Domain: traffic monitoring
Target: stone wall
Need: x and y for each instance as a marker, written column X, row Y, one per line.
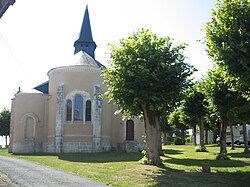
column 74, row 147
column 27, row 147
column 59, row 118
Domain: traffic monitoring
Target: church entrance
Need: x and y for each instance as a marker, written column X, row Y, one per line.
column 130, row 130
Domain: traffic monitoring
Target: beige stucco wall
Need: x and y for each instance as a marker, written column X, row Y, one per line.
column 78, row 78
column 83, row 78
column 30, row 105
column 28, row 122
column 140, row 132
column 77, row 133
column 43, row 109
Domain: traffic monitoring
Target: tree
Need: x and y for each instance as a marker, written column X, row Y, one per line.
column 241, row 115
column 228, row 36
column 223, row 98
column 166, row 128
column 212, row 118
column 177, row 120
column 195, row 105
column 232, row 120
column 191, row 121
column 5, row 124
column 146, row 75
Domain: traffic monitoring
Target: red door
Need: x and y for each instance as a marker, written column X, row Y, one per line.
column 130, row 130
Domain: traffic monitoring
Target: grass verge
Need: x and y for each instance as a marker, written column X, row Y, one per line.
column 182, row 167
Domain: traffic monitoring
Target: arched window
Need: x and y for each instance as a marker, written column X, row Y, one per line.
column 88, row 111
column 78, row 109
column 69, row 110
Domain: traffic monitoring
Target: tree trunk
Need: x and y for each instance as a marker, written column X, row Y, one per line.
column 246, row 147
column 6, row 141
column 201, row 119
column 223, row 145
column 160, row 145
column 232, row 136
column 206, row 136
column 164, row 135
column 194, row 136
column 183, row 136
column 153, row 136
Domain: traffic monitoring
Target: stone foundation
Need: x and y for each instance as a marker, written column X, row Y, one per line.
column 75, row 147
column 49, row 147
column 27, row 147
column 131, row 146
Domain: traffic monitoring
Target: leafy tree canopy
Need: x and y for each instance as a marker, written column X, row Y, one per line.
column 177, row 119
column 219, row 91
column 145, row 69
column 5, row 122
column 194, row 102
column 228, row 38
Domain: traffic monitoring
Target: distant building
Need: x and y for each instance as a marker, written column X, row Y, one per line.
column 68, row 115
column 4, row 5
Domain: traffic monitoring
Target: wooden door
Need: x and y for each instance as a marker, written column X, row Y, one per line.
column 130, row 130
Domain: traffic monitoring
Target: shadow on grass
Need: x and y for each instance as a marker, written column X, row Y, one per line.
column 195, row 178
column 212, row 145
column 101, row 157
column 213, row 163
column 239, row 155
column 172, row 151
column 93, row 157
column 171, row 178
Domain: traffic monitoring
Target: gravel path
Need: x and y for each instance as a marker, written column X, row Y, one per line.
column 26, row 174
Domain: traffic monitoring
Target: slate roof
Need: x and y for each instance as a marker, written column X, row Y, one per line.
column 84, row 43
column 4, row 5
column 44, row 87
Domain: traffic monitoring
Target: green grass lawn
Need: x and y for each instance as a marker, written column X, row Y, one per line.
column 182, row 167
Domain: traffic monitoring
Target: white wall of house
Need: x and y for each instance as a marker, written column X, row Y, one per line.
column 210, row 137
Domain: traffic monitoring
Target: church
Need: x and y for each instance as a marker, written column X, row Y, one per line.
column 67, row 115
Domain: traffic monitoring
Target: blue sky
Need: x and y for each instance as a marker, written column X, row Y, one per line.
column 36, row 36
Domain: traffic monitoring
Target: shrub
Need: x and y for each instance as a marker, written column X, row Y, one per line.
column 145, row 160
column 189, row 139
column 167, row 143
column 200, row 149
column 178, row 141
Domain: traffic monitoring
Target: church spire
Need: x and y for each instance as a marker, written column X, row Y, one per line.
column 85, row 41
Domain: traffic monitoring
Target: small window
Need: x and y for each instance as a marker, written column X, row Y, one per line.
column 69, row 110
column 88, row 111
column 78, row 109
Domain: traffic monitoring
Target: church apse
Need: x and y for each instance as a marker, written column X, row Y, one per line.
column 68, row 115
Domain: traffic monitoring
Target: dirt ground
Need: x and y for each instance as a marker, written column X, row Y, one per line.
column 5, row 181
